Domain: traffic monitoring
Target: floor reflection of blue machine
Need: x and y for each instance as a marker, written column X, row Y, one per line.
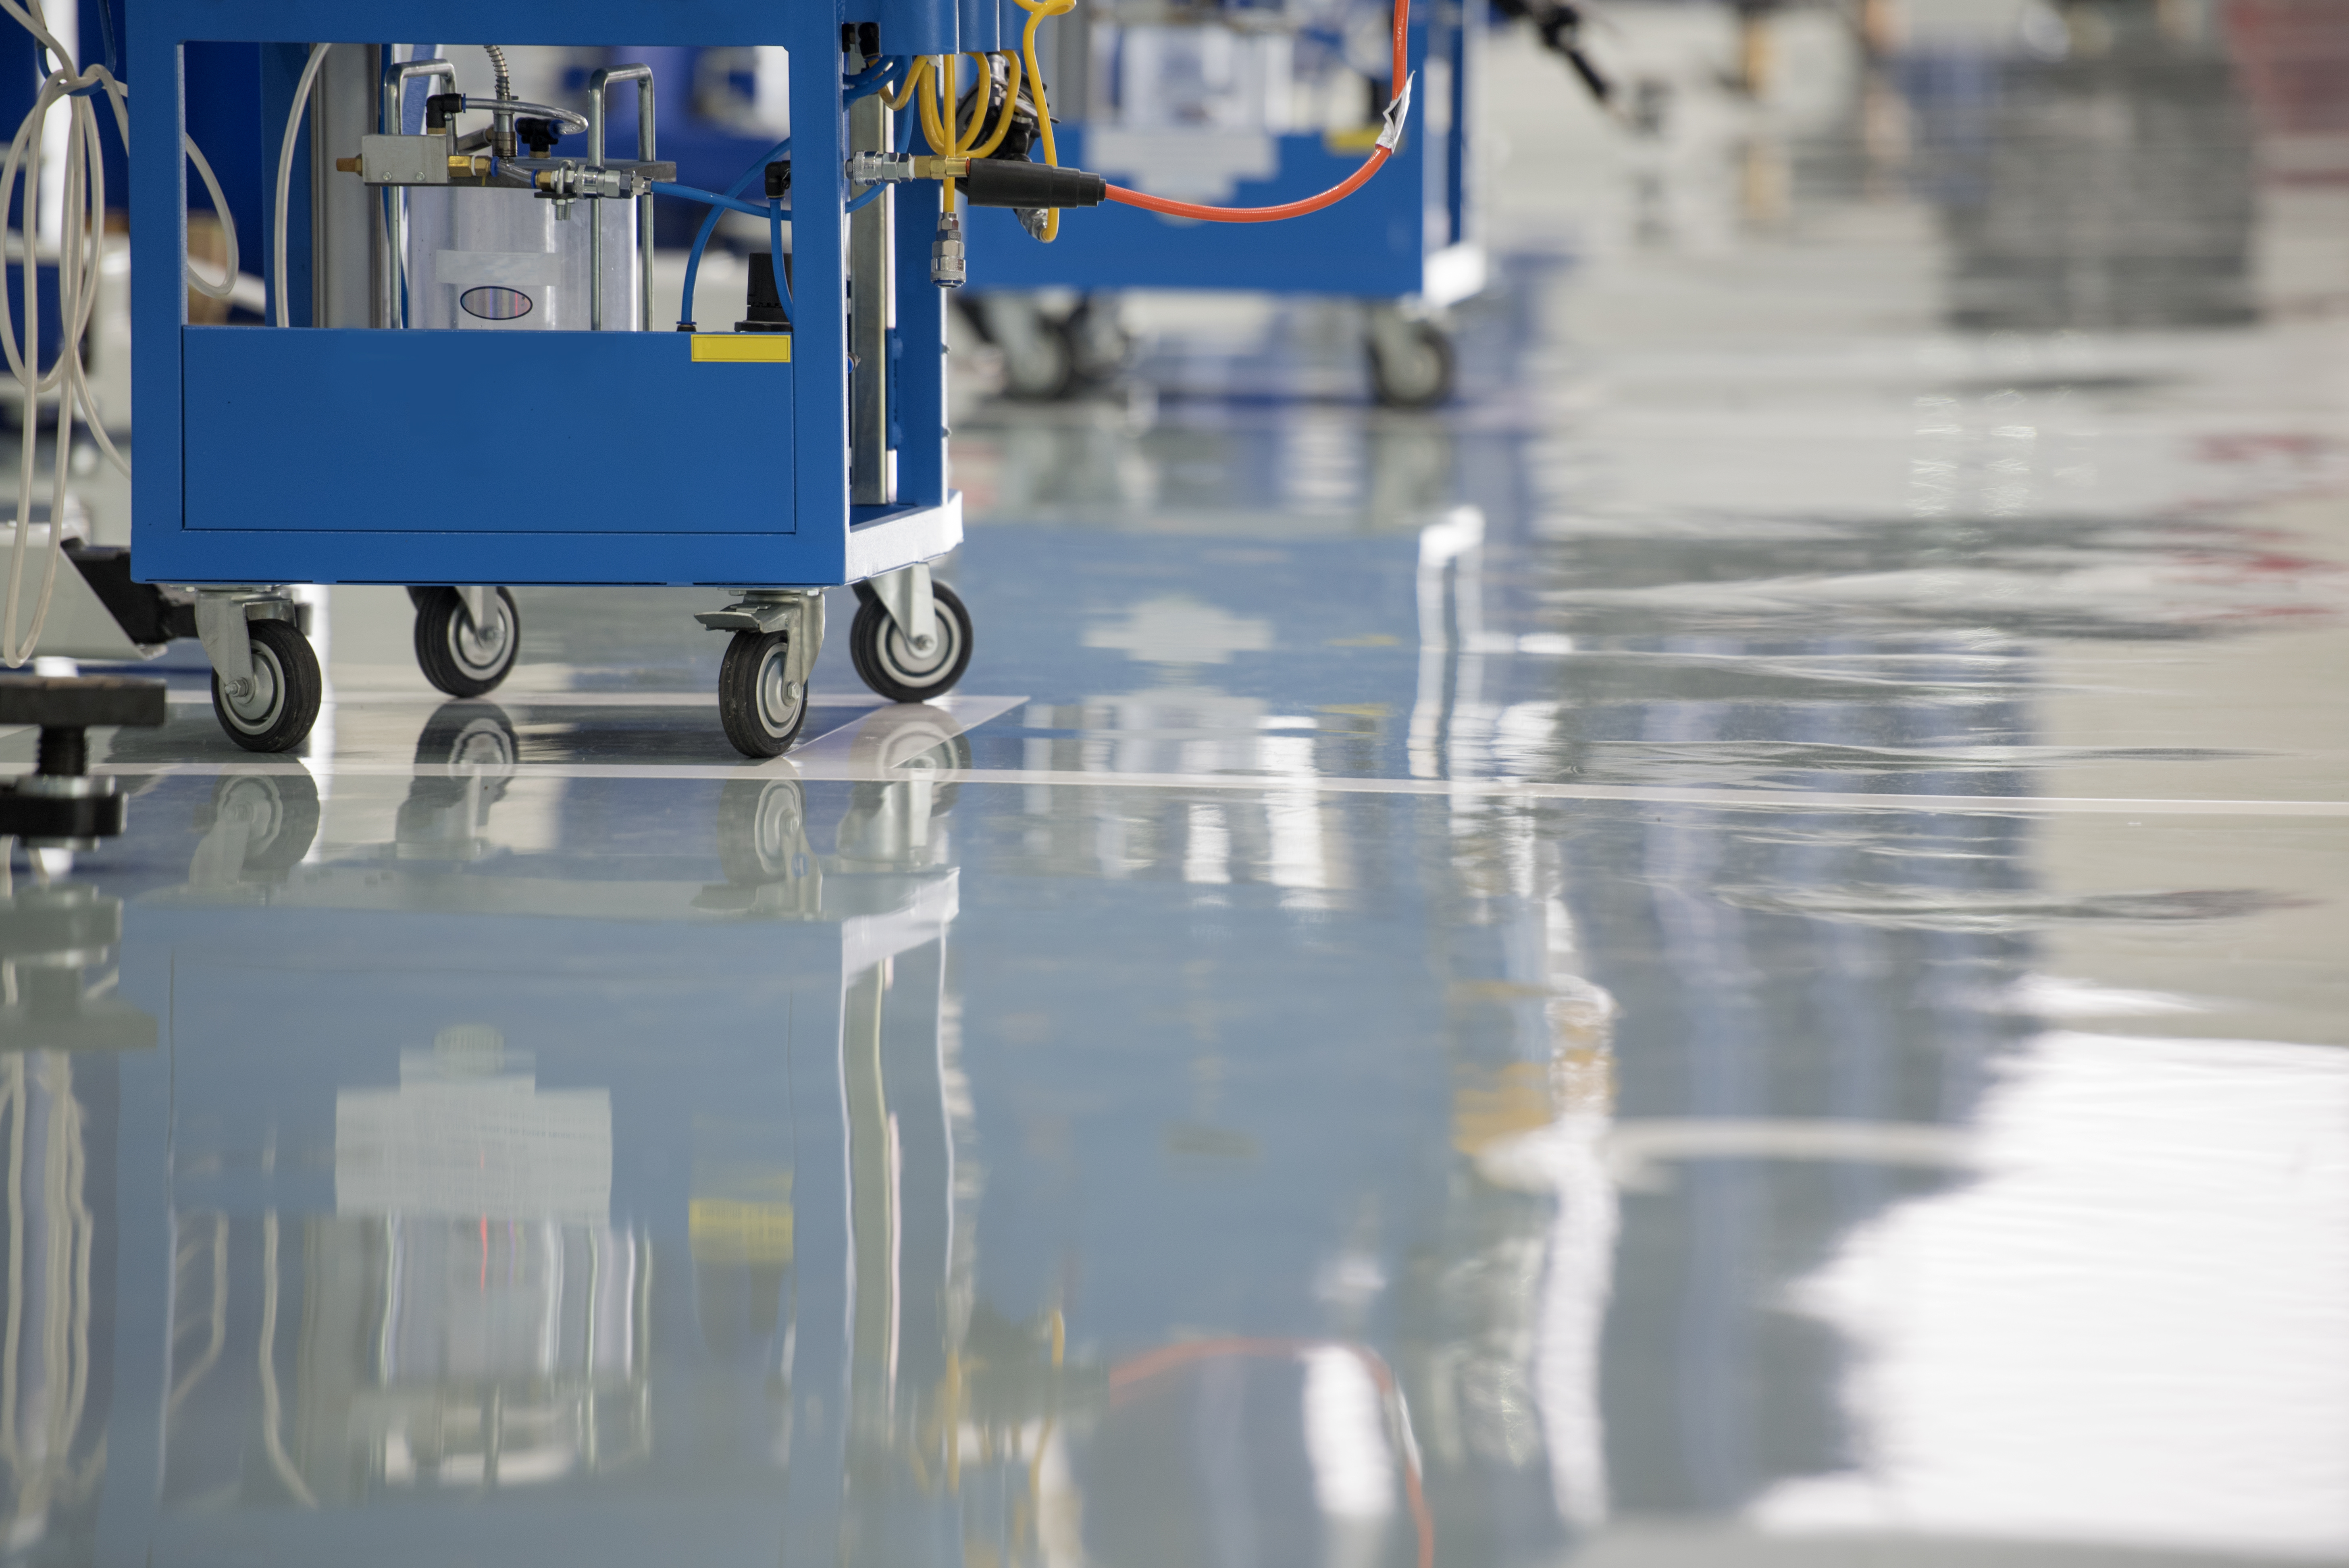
column 626, row 1204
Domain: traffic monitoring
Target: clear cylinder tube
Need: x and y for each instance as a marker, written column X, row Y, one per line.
column 504, row 261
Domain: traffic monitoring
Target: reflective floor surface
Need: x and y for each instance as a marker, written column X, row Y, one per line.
column 1728, row 953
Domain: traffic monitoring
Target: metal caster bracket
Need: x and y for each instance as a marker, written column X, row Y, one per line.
column 905, row 594
column 797, row 613
column 477, row 601
column 221, row 617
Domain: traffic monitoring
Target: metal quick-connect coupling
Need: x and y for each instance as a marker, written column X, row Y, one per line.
column 876, row 168
column 946, row 252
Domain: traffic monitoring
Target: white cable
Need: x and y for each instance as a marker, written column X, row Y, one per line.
column 286, row 170
column 196, row 280
column 80, row 254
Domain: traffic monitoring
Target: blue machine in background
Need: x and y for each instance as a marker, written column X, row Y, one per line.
column 1251, row 107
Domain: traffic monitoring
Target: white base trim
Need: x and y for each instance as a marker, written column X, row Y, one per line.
column 905, row 538
column 1452, row 274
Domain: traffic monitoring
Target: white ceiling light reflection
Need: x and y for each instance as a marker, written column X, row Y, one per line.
column 1174, row 630
column 1345, row 1436
column 2131, row 1327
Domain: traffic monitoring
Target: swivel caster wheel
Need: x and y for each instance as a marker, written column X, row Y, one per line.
column 275, row 710
column 1412, row 363
column 757, row 700
column 891, row 666
column 458, row 656
column 1041, row 366
column 1099, row 348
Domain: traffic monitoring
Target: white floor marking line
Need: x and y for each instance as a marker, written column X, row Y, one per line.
column 835, row 764
column 1658, row 794
column 874, row 746
column 527, row 699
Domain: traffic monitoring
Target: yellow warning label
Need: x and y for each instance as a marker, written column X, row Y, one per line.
column 743, row 348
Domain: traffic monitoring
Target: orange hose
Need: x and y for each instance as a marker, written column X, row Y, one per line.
column 1150, row 1363
column 1330, row 197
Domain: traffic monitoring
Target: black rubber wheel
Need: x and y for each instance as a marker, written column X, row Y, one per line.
column 1418, row 376
column 761, row 718
column 458, row 657
column 885, row 662
column 276, row 713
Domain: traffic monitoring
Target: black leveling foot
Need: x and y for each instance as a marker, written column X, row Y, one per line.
column 59, row 804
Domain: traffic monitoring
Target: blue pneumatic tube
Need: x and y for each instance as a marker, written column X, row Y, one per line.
column 710, row 224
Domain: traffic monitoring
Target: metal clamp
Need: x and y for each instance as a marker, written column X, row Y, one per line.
column 1395, row 114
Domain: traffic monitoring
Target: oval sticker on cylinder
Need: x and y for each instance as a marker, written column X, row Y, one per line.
column 493, row 303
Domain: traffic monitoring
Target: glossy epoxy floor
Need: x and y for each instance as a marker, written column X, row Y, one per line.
column 1731, row 953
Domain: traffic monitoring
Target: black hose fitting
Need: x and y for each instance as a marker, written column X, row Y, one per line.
column 999, row 182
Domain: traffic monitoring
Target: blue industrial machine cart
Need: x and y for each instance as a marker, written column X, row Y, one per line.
column 1188, row 104
column 506, row 415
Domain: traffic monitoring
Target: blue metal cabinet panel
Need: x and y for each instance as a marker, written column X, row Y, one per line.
column 811, row 472
column 325, row 449
column 585, row 22
column 517, row 559
column 592, row 432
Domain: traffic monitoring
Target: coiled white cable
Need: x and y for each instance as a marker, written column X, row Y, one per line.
column 80, row 253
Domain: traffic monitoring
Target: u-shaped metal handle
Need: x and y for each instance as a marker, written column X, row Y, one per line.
column 599, row 87
column 392, row 241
